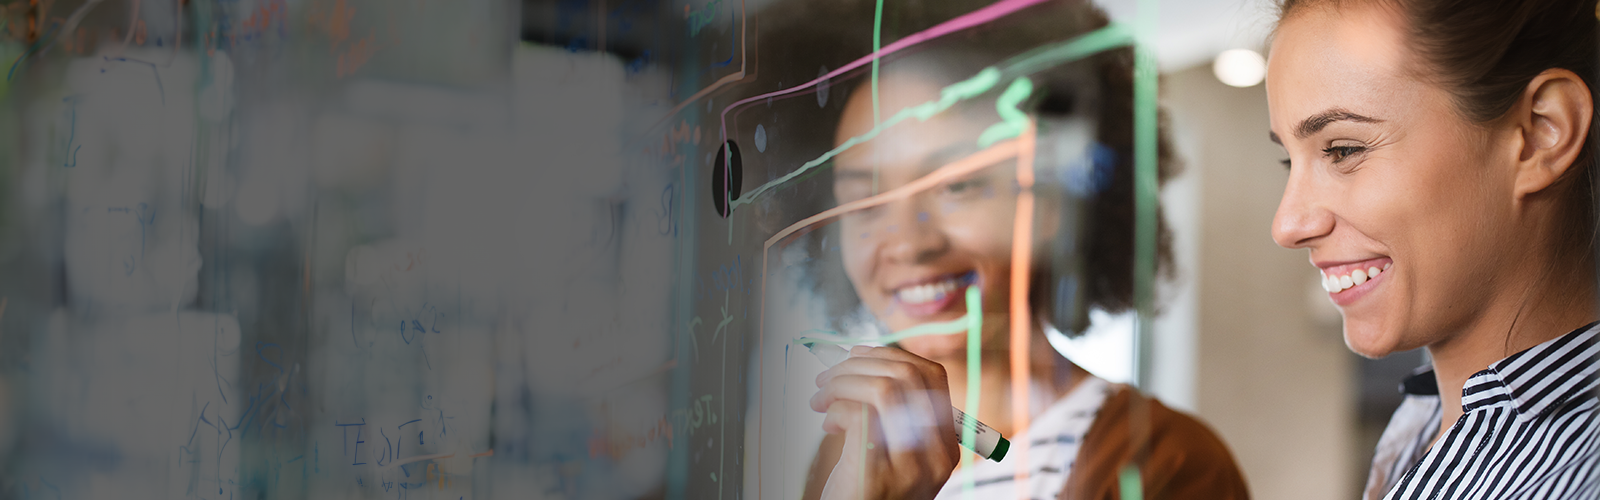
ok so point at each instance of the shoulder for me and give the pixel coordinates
(1176, 455)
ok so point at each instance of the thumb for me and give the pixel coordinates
(848, 478)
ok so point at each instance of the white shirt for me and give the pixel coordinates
(1528, 430)
(1052, 438)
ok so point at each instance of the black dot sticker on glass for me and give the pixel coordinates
(727, 178)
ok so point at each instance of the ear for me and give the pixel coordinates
(1553, 116)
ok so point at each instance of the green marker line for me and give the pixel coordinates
(1112, 36)
(1145, 189)
(877, 43)
(866, 442)
(957, 325)
(1132, 487)
(969, 432)
(1013, 119)
(948, 97)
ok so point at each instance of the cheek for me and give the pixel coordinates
(984, 230)
(986, 243)
(856, 254)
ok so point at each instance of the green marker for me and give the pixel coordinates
(989, 443)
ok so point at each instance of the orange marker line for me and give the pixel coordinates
(418, 459)
(1021, 321)
(990, 156)
(743, 74)
(1021, 148)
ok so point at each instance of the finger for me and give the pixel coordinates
(935, 376)
(860, 458)
(908, 443)
(879, 367)
(925, 393)
(842, 416)
(933, 372)
(918, 395)
(893, 353)
(867, 447)
(895, 363)
(929, 390)
(909, 420)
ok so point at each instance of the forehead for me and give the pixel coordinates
(1350, 57)
(902, 87)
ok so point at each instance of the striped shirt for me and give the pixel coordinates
(1053, 441)
(1528, 430)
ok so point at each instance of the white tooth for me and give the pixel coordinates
(1345, 282)
(1372, 272)
(1386, 265)
(1326, 285)
(1358, 277)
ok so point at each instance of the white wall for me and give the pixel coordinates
(1275, 383)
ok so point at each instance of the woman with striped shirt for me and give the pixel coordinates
(1441, 175)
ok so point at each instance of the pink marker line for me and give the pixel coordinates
(993, 11)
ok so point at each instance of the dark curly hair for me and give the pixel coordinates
(799, 40)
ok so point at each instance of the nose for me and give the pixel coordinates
(1302, 217)
(911, 233)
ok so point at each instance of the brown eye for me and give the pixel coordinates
(962, 186)
(1339, 153)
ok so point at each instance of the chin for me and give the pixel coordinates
(1369, 339)
(937, 347)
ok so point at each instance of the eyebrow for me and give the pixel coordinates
(1315, 123)
(932, 162)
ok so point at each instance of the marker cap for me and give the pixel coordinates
(1000, 450)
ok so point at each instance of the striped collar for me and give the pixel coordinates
(1531, 381)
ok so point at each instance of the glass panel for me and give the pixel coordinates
(358, 248)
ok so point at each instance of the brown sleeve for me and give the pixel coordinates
(1177, 456)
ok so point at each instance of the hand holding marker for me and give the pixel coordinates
(988, 444)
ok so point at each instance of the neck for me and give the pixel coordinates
(1050, 376)
(1555, 301)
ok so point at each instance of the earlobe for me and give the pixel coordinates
(1556, 110)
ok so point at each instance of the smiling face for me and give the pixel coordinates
(1386, 178)
(911, 260)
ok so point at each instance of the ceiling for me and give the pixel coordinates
(1192, 32)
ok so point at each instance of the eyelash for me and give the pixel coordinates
(1343, 152)
(963, 186)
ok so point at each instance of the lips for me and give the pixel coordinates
(934, 294)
